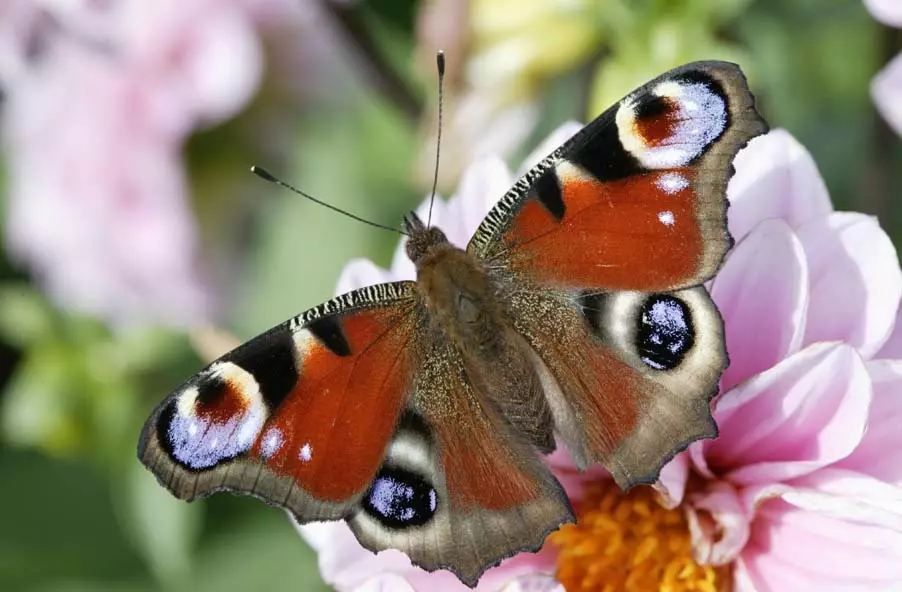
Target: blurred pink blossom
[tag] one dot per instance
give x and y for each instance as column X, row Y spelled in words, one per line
column 803, row 489
column 886, row 88
column 100, row 98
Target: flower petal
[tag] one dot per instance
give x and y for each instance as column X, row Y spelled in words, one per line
column 346, row 565
column 534, row 583
column 775, row 178
column 856, row 283
column 671, row 485
column 718, row 524
column 561, row 134
column 892, row 349
column 888, row 12
column 886, row 90
column 762, row 293
column 801, row 549
column 848, row 495
column 808, row 411
column 880, row 452
column 387, row 582
column 482, row 185
column 359, row 273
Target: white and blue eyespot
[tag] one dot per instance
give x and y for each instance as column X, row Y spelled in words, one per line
column 217, row 418
column 696, row 114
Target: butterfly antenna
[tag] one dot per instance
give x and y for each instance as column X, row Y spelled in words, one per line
column 266, row 175
column 440, row 64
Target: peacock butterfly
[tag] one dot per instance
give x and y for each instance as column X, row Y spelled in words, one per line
column 416, row 411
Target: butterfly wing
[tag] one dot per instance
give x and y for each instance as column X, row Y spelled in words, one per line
column 603, row 244
column 459, row 488
column 355, row 410
column 636, row 199
column 300, row 416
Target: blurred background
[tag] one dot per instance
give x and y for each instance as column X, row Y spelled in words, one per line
column 131, row 223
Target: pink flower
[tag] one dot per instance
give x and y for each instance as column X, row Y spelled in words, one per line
column 94, row 126
column 886, row 88
column 803, row 488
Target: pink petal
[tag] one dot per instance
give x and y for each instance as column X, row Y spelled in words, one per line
column 762, row 293
column 482, row 185
column 671, row 483
column 856, row 283
column 534, row 583
column 718, row 524
column 808, row 411
column 359, row 273
column 561, row 134
column 775, row 178
column 346, row 565
column 848, row 495
column 892, row 349
column 795, row 549
column 886, row 91
column 880, row 452
column 887, row 11
column 387, row 582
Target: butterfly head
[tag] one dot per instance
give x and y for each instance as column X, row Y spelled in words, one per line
column 422, row 239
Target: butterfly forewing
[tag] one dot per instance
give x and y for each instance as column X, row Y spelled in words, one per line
column 302, row 415
column 636, row 199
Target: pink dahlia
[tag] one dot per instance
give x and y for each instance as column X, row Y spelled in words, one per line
column 886, row 88
column 803, row 488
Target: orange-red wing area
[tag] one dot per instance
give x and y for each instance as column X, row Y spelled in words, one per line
column 628, row 234
column 332, row 430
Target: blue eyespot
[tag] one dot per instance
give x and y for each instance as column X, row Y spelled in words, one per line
column 400, row 499
column 665, row 333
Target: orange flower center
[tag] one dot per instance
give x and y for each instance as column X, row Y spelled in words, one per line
column 628, row 542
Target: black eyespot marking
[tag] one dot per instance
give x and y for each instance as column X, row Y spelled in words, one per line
column 665, row 333
column 271, row 361
column 399, row 498
column 548, row 193
column 601, row 153
column 651, row 106
column 210, row 391
column 167, row 414
column 328, row 331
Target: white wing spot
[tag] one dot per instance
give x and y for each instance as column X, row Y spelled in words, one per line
column 666, row 218
column 306, row 452
column 272, row 442
column 672, row 183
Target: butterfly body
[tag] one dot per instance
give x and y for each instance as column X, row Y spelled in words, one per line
column 418, row 411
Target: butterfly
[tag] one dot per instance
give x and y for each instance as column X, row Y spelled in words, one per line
column 418, row 411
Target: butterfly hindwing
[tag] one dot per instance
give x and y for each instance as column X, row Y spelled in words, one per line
column 602, row 246
column 483, row 493
column 301, row 416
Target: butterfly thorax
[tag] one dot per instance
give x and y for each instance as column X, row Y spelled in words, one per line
column 456, row 291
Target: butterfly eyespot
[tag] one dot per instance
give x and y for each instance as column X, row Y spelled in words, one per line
column 214, row 420
column 398, row 498
column 665, row 333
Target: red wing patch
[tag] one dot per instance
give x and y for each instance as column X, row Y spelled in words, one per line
column 331, row 432
column 638, row 233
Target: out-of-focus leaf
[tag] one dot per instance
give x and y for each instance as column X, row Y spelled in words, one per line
column 305, row 246
column 36, row 409
column 263, row 553
column 57, row 524
column 25, row 316
column 163, row 529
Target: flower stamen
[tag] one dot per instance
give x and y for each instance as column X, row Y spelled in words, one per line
column 628, row 542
